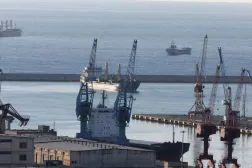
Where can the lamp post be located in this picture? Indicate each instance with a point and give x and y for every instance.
(183, 132)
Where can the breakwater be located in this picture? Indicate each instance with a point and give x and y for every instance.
(142, 78)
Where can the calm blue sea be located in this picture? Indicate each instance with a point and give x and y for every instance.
(58, 35)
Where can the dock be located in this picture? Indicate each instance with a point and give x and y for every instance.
(182, 120)
(42, 77)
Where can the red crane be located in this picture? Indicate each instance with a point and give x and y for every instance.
(207, 128)
(198, 86)
(8, 109)
(230, 130)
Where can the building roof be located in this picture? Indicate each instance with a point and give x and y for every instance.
(74, 144)
(14, 136)
(67, 146)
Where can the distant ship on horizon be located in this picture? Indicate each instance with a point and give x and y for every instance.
(7, 30)
(173, 50)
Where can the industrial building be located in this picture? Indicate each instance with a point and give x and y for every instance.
(16, 150)
(90, 154)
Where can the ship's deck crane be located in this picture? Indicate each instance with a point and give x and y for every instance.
(124, 100)
(230, 131)
(198, 86)
(207, 128)
(9, 109)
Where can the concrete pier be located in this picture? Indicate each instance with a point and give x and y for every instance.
(182, 120)
(142, 78)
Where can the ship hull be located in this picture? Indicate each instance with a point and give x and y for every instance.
(171, 152)
(113, 87)
(109, 87)
(184, 51)
(167, 151)
(134, 86)
(11, 33)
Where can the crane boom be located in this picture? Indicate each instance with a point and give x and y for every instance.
(238, 95)
(223, 71)
(203, 59)
(131, 64)
(214, 90)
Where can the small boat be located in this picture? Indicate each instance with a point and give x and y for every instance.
(173, 50)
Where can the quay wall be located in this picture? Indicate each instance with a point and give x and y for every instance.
(142, 78)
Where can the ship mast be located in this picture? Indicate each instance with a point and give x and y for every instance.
(104, 97)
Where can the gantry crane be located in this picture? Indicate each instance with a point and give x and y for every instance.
(230, 131)
(9, 109)
(198, 86)
(208, 128)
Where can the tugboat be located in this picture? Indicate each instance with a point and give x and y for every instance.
(173, 50)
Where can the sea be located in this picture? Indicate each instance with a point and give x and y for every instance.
(57, 37)
(53, 104)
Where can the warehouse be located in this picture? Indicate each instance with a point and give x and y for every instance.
(90, 154)
(16, 150)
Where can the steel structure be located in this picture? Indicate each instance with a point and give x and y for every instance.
(9, 109)
(84, 104)
(131, 64)
(237, 99)
(207, 128)
(124, 100)
(198, 86)
(91, 64)
(230, 131)
(122, 108)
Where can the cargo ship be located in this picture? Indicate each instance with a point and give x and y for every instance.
(173, 50)
(103, 117)
(7, 30)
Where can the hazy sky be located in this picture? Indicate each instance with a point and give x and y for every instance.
(234, 1)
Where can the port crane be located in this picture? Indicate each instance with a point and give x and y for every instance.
(9, 109)
(92, 70)
(124, 100)
(84, 104)
(208, 128)
(130, 72)
(84, 100)
(230, 130)
(198, 86)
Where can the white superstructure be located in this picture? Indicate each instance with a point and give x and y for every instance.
(110, 87)
(102, 123)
